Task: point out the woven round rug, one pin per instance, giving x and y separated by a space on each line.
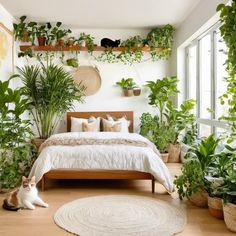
118 215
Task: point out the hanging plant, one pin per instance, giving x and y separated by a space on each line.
107 56
160 38
228 32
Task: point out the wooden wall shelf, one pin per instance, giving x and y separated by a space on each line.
79 48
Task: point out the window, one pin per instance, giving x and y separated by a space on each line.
205 72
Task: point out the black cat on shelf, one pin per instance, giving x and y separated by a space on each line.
108 43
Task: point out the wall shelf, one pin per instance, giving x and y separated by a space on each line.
79 48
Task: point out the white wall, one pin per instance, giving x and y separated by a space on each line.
6 19
199 20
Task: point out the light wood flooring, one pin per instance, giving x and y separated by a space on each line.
40 221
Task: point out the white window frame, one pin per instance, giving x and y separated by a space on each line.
212 122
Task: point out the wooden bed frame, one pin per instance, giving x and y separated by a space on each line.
106 174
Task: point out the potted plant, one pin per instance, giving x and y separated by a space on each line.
159 134
51 32
21 30
41 34
136 90
127 86
86 40
192 183
16 153
60 34
73 62
229 196
160 38
179 120
71 41
44 87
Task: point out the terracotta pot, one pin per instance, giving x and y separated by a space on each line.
136 91
229 210
164 157
37 142
71 42
128 92
174 152
61 42
199 198
25 36
41 40
215 207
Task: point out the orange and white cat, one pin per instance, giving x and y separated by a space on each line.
24 197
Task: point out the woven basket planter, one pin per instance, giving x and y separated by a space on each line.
215 207
37 142
199 198
230 216
174 152
164 157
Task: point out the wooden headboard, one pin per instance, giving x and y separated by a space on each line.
129 115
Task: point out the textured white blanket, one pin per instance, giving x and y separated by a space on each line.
102 157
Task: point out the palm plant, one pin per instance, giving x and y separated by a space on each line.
51 92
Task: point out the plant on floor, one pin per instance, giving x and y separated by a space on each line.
199 159
161 37
227 29
16 153
151 128
51 92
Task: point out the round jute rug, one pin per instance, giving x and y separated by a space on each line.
120 215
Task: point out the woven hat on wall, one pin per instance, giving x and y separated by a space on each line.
88 76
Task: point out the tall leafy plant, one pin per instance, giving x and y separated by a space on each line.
51 91
228 31
160 92
16 153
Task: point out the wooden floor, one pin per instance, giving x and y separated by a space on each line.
39 222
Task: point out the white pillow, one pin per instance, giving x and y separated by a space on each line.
124 123
76 123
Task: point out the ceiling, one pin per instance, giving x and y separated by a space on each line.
112 14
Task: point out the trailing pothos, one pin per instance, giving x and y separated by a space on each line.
228 33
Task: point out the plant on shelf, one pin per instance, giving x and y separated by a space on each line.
133 50
192 183
60 34
21 30
44 87
162 38
16 153
71 41
41 34
127 86
27 53
86 40
51 32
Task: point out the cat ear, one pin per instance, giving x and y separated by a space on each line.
33 179
24 178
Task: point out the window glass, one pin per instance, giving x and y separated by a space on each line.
204 130
205 76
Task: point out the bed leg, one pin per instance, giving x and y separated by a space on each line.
153 185
43 184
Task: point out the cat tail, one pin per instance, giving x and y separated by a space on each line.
8 207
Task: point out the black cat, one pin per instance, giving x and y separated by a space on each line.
108 43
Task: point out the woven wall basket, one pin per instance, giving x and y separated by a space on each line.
88 76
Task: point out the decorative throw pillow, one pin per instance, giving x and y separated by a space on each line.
76 123
90 127
124 122
111 126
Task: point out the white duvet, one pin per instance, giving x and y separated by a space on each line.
102 157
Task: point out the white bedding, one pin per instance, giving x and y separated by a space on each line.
102 157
